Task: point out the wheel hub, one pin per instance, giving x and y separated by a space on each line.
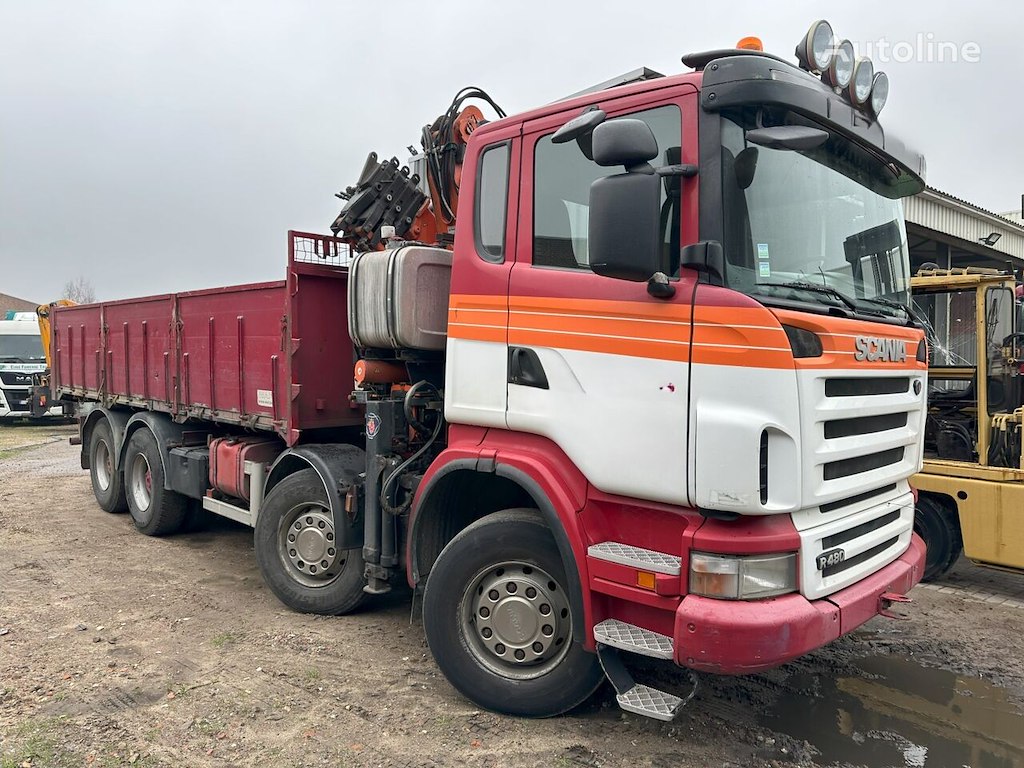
309 542
517 620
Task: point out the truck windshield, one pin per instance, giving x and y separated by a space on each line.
811 226
20 349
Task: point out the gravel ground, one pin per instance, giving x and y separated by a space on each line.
118 649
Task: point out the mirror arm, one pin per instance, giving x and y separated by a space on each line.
660 287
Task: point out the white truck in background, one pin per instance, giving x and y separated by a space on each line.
21 358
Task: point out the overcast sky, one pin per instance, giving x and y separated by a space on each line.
158 146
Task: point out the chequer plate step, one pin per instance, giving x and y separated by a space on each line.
644 700
636 557
628 637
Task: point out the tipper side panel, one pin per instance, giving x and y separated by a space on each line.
270 356
232 354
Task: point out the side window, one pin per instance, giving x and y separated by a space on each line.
491 202
561 194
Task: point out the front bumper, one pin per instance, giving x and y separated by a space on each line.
735 637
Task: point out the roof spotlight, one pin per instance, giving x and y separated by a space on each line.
840 69
879 92
815 50
859 90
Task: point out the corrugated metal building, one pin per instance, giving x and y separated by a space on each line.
951 232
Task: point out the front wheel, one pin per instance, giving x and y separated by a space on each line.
297 549
497 618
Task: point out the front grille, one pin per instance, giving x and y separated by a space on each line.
856 560
17 399
866 386
14 378
859 464
865 425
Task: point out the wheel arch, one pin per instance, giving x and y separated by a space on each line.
451 500
168 434
338 465
117 419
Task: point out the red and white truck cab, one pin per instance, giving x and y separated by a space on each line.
655 390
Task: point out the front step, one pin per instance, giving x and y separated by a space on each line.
636 557
638 698
629 637
650 702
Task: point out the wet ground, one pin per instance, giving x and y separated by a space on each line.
118 649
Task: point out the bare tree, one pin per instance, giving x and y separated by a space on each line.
79 291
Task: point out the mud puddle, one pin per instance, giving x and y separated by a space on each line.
896 713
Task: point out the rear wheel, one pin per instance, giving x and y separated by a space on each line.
939 527
497 618
107 483
296 548
155 510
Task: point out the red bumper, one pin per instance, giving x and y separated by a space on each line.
728 637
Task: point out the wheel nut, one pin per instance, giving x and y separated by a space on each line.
545 609
486 632
520 654
330 552
485 611
324 564
548 630
531 592
538 648
321 525
499 648
511 587
493 594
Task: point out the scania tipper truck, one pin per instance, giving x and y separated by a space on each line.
628 373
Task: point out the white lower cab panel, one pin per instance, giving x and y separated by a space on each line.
620 419
476 373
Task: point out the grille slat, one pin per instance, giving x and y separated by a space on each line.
858 387
859 464
851 500
838 539
856 560
864 425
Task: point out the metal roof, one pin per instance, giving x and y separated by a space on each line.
954 217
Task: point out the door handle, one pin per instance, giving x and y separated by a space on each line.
525 369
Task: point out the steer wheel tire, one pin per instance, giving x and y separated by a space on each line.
295 523
498 621
155 510
939 527
107 482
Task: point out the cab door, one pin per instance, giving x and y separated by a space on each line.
596 364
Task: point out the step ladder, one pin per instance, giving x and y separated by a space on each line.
613 635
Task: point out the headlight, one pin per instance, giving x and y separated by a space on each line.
860 86
840 69
732 577
879 92
815 50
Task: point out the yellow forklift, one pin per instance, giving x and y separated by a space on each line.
971 487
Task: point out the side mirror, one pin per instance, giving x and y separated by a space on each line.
624 221
793 137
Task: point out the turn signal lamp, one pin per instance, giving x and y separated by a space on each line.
750 43
646 580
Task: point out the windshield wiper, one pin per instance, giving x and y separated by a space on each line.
911 314
815 288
